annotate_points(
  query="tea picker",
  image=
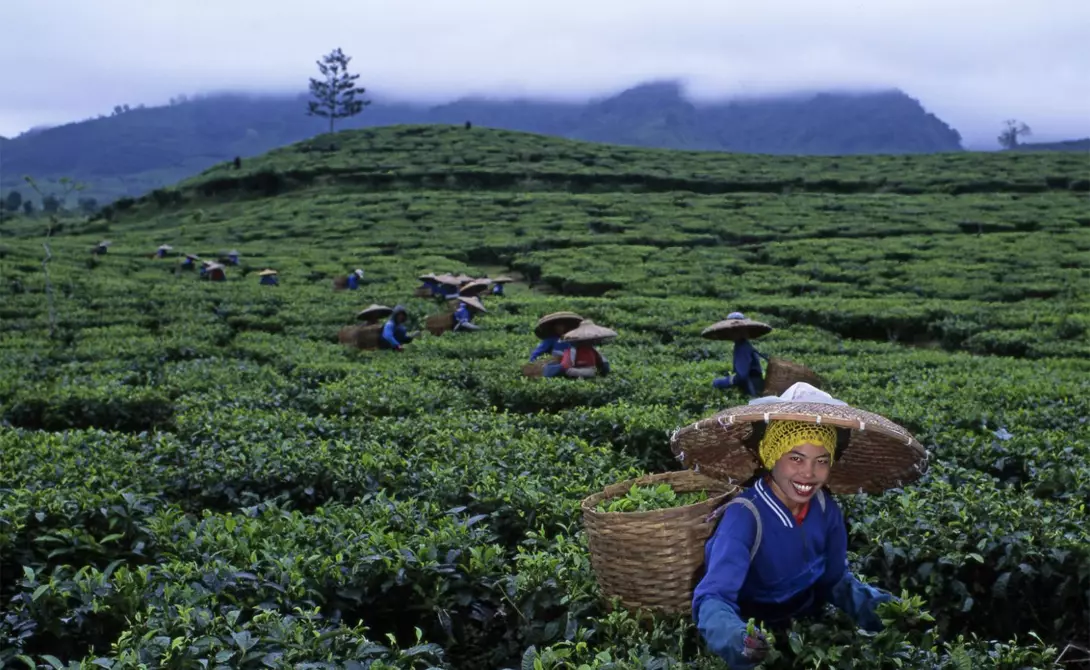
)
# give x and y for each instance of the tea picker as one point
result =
(549, 329)
(394, 333)
(268, 277)
(747, 360)
(780, 549)
(582, 359)
(354, 278)
(463, 315)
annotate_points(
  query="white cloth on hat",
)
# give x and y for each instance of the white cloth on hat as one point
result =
(800, 392)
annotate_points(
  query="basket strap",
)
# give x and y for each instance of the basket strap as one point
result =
(756, 516)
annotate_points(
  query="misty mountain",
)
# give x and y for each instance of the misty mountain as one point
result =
(142, 148)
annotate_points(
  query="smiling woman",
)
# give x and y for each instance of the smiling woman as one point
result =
(780, 550)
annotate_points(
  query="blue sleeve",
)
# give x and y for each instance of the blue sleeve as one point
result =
(461, 314)
(388, 335)
(543, 347)
(845, 591)
(715, 599)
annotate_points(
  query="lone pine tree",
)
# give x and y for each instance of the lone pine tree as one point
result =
(336, 94)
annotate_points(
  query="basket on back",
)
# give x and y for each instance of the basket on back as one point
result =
(781, 374)
(361, 337)
(437, 324)
(653, 560)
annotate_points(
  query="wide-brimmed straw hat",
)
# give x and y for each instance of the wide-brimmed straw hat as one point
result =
(463, 278)
(736, 327)
(374, 311)
(165, 247)
(873, 453)
(502, 279)
(193, 257)
(544, 325)
(588, 331)
(473, 304)
(473, 288)
(266, 272)
(425, 277)
(449, 280)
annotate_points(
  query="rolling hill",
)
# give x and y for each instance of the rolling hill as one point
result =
(199, 473)
(146, 148)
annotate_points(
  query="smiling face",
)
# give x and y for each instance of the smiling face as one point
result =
(800, 473)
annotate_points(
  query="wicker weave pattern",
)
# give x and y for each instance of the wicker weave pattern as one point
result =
(544, 324)
(781, 374)
(880, 455)
(437, 324)
(651, 560)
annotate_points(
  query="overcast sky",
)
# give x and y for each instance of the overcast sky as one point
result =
(973, 63)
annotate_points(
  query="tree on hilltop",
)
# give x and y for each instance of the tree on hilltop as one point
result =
(1008, 139)
(336, 94)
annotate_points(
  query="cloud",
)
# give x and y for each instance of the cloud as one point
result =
(971, 62)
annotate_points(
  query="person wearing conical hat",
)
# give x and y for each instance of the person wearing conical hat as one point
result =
(551, 328)
(748, 375)
(394, 332)
(463, 315)
(780, 550)
(582, 359)
(268, 277)
(498, 282)
(354, 279)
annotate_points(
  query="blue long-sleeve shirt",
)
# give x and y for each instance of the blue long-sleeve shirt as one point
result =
(796, 568)
(550, 345)
(394, 334)
(353, 281)
(462, 314)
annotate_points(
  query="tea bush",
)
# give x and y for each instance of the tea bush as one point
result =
(196, 474)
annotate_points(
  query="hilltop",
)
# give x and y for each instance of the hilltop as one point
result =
(145, 148)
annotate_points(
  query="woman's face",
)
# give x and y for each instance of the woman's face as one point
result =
(801, 472)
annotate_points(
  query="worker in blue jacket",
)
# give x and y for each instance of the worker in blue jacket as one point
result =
(463, 317)
(780, 551)
(552, 345)
(394, 333)
(748, 375)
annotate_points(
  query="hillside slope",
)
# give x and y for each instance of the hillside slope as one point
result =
(149, 147)
(198, 473)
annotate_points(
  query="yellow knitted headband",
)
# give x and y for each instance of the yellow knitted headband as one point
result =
(783, 436)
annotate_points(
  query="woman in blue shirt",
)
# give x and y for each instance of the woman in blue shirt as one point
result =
(780, 549)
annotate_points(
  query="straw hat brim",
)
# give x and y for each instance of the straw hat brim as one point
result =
(266, 273)
(544, 325)
(448, 280)
(503, 279)
(474, 304)
(736, 329)
(375, 312)
(588, 331)
(874, 454)
(474, 288)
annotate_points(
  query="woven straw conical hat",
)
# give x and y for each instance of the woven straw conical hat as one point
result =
(544, 325)
(873, 453)
(165, 247)
(588, 331)
(474, 288)
(502, 279)
(449, 280)
(473, 304)
(425, 277)
(736, 327)
(266, 272)
(374, 311)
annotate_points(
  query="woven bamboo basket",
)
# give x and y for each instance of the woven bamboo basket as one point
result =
(422, 292)
(781, 374)
(367, 337)
(652, 560)
(437, 324)
(537, 368)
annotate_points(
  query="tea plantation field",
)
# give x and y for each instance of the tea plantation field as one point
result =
(198, 475)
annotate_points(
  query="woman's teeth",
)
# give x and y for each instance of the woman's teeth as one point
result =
(803, 489)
